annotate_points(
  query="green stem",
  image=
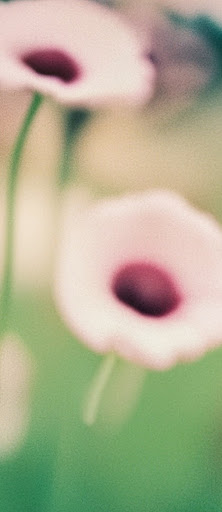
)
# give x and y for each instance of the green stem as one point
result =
(10, 212)
(95, 393)
(74, 122)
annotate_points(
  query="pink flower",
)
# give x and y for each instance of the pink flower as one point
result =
(142, 276)
(76, 51)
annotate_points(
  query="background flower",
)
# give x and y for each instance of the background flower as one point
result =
(186, 51)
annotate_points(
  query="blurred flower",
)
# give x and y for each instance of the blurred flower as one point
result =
(15, 373)
(186, 51)
(78, 52)
(187, 60)
(141, 276)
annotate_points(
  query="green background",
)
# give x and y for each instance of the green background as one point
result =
(167, 455)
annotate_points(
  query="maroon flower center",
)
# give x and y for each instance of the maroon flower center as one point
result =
(146, 288)
(52, 62)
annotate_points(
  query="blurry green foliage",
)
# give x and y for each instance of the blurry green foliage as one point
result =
(166, 457)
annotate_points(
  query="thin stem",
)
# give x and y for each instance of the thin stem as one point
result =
(10, 212)
(95, 393)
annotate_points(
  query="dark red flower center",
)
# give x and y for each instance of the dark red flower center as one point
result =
(52, 62)
(146, 288)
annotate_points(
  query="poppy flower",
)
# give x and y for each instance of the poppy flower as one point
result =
(77, 52)
(141, 276)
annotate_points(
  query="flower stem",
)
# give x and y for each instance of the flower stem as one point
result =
(10, 210)
(95, 393)
(74, 122)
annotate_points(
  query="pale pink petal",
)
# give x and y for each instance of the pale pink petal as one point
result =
(141, 275)
(76, 51)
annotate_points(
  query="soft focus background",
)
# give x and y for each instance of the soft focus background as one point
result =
(157, 443)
